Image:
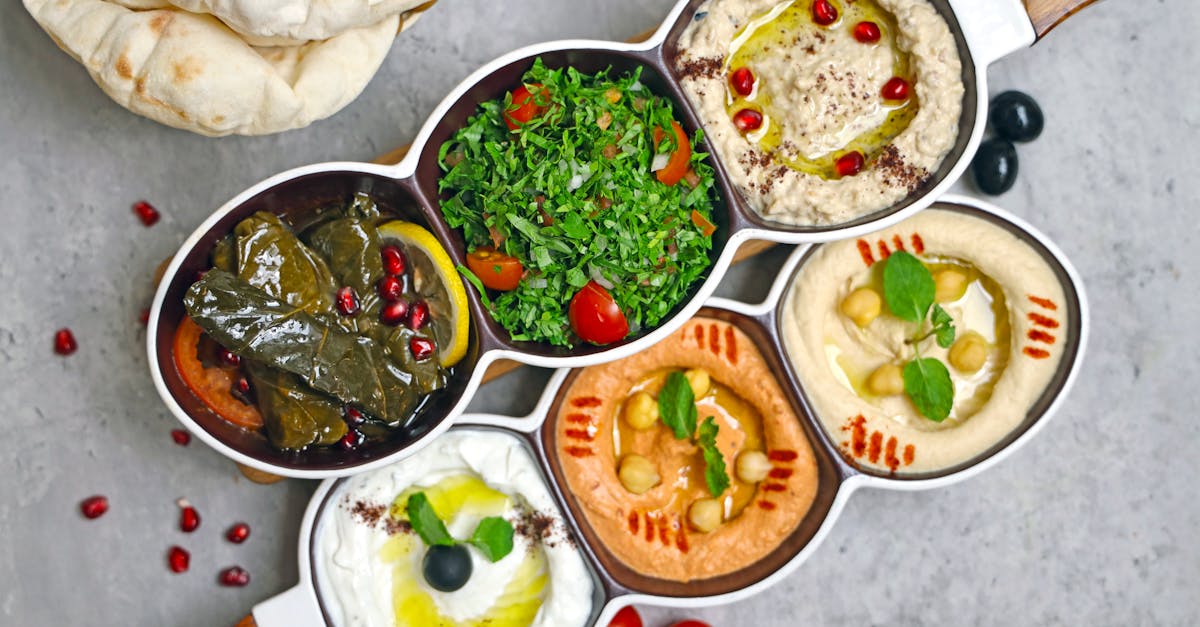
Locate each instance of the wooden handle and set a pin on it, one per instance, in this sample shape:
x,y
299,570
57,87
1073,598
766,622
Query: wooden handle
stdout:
x,y
1046,14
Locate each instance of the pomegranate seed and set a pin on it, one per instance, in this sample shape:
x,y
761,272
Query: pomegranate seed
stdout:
x,y
347,301
229,358
235,576
418,315
353,416
850,163
181,437
742,80
352,440
421,348
394,313
144,317
242,385
393,260
145,212
178,559
867,32
747,120
94,506
238,533
895,89
189,518
824,13
64,342
390,289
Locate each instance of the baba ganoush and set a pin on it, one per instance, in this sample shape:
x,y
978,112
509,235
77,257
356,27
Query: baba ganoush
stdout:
x,y
645,491
1010,320
370,559
824,110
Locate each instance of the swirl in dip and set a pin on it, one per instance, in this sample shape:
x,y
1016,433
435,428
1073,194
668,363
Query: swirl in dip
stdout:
x,y
369,560
1010,316
652,530
822,122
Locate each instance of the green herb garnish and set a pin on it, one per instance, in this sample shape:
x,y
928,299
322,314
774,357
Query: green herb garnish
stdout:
x,y
908,289
714,463
493,536
677,406
425,521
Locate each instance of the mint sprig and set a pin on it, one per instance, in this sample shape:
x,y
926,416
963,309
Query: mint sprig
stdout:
x,y
493,536
715,474
908,290
677,406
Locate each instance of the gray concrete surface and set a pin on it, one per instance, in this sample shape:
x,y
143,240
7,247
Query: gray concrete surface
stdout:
x,y
1093,523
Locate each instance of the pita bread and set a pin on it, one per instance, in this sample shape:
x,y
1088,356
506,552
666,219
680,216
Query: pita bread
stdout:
x,y
190,71
282,21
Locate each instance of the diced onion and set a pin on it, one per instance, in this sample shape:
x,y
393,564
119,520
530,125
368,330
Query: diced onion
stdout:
x,y
660,162
598,277
538,283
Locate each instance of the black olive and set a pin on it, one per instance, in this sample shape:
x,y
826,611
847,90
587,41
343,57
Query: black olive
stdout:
x,y
447,568
995,166
1016,116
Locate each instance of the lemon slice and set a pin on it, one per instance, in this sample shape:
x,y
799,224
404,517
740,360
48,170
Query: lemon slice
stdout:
x,y
447,297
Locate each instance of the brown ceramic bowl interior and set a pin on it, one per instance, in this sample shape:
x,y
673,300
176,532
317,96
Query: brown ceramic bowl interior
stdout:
x,y
670,54
1052,391
623,579
495,86
295,200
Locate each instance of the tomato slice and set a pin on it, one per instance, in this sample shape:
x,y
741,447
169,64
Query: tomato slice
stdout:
x,y
706,228
210,385
677,163
626,617
595,316
495,269
524,106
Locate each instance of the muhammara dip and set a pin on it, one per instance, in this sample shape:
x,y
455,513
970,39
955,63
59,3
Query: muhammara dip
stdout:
x,y
1010,316
653,531
822,123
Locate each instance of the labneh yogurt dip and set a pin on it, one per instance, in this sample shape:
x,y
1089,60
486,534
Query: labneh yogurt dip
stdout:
x,y
369,560
823,111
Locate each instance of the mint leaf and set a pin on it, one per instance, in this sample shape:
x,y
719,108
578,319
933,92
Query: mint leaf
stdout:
x,y
493,537
714,463
927,382
943,326
677,406
425,521
908,286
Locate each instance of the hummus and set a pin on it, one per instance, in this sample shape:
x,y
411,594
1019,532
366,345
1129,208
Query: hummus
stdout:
x,y
650,532
820,95
369,562
1011,303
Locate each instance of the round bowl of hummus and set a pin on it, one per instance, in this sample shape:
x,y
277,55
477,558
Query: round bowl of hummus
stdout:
x,y
367,557
932,346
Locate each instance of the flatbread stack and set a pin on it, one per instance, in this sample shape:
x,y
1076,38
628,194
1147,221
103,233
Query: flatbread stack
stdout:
x,y
221,67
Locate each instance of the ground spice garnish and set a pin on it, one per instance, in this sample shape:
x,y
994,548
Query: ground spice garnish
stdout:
x,y
897,172
1038,335
368,513
1043,302
1043,321
704,67
731,345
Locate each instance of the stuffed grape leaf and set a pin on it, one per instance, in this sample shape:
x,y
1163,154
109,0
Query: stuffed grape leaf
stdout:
x,y
271,258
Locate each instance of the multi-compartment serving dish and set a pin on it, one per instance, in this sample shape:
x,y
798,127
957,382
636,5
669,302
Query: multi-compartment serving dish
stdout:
x,y
838,476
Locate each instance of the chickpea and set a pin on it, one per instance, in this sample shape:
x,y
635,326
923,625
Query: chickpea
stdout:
x,y
862,306
699,379
752,466
641,411
887,380
949,286
969,353
638,474
706,515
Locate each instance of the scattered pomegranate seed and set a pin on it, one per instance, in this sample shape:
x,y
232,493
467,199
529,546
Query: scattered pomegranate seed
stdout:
x,y
394,313
742,80
747,120
394,262
146,212
895,89
352,440
353,416
421,348
144,317
347,301
229,358
238,533
178,559
418,315
850,163
189,518
242,385
824,13
390,289
64,342
94,506
234,576
181,437
867,32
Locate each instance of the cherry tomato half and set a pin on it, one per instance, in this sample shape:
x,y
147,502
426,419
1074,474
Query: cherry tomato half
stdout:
x,y
677,163
690,623
524,106
595,316
495,269
627,617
